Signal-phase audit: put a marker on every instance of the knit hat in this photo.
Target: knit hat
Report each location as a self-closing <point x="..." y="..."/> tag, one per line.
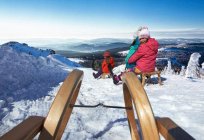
<point x="144" y="33"/>
<point x="106" y="54"/>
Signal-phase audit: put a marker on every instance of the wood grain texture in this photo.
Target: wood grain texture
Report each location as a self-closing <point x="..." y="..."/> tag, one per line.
<point x="149" y="74"/>
<point x="134" y="90"/>
<point x="171" y="131"/>
<point x="61" y="109"/>
<point x="26" y="130"/>
<point x="130" y="114"/>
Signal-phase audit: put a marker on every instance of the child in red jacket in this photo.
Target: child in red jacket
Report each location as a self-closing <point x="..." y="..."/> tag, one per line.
<point x="107" y="65"/>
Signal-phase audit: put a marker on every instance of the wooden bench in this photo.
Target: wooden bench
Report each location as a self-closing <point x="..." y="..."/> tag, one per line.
<point x="145" y="76"/>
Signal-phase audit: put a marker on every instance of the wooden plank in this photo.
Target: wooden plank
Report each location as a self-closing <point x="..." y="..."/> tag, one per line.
<point x="26" y="130"/>
<point x="130" y="114"/>
<point x="105" y="75"/>
<point x="149" y="74"/>
<point x="61" y="108"/>
<point x="171" y="131"/>
<point x="142" y="105"/>
<point x="152" y="73"/>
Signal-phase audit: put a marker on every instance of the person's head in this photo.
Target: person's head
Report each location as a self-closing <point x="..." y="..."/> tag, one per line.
<point x="106" y="54"/>
<point x="143" y="40"/>
<point x="143" y="35"/>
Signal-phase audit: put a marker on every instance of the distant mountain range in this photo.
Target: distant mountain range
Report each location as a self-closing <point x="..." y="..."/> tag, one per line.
<point x="179" y="49"/>
<point x="103" y="44"/>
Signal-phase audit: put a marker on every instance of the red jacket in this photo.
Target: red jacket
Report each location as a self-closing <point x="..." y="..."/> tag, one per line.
<point x="145" y="56"/>
<point x="105" y="64"/>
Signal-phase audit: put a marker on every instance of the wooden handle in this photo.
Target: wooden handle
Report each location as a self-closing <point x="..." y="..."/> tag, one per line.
<point x="60" y="110"/>
<point x="26" y="130"/>
<point x="171" y="131"/>
<point x="134" y="92"/>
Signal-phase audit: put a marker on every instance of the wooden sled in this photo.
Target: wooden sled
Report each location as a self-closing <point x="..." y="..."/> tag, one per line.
<point x="135" y="95"/>
<point x="105" y="75"/>
<point x="145" y="76"/>
<point x="52" y="127"/>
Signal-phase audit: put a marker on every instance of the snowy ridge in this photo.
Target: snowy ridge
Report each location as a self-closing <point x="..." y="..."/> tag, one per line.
<point x="24" y="77"/>
<point x="27" y="49"/>
<point x="46" y="54"/>
<point x="28" y="74"/>
<point x="61" y="60"/>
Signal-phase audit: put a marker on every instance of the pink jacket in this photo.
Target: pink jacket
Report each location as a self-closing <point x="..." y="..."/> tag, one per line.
<point x="145" y="56"/>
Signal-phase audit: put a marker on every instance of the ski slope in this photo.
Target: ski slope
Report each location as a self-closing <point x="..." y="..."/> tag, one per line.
<point x="35" y="82"/>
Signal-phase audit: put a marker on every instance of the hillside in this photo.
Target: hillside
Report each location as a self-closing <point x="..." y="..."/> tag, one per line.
<point x="29" y="85"/>
<point x="28" y="73"/>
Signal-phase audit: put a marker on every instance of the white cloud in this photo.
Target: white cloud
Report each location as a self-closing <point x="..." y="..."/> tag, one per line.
<point x="179" y="33"/>
<point x="15" y="29"/>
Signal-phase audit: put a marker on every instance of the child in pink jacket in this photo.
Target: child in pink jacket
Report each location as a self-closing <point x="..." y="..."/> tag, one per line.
<point x="145" y="56"/>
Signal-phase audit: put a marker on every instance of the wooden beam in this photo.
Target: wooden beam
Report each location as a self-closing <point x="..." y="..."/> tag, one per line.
<point x="61" y="108"/>
<point x="171" y="131"/>
<point x="26" y="130"/>
<point x="134" y="92"/>
<point x="130" y="114"/>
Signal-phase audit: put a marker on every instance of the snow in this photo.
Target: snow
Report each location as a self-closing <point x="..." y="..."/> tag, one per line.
<point x="29" y="84"/>
<point x="47" y="54"/>
<point x="193" y="70"/>
<point x="119" y="69"/>
<point x="77" y="60"/>
<point x="169" y="69"/>
<point x="124" y="53"/>
<point x="27" y="74"/>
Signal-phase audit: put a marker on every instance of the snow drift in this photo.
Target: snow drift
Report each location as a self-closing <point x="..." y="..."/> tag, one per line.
<point x="28" y="73"/>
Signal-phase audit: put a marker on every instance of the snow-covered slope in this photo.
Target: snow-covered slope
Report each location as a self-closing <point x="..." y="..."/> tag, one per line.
<point x="179" y="98"/>
<point x="28" y="73"/>
<point x="47" y="54"/>
<point x="184" y="106"/>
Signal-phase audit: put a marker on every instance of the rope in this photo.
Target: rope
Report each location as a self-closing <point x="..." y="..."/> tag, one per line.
<point x="102" y="105"/>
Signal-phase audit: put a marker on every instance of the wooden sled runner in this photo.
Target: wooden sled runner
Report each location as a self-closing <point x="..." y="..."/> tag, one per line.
<point x="147" y="75"/>
<point x="52" y="127"/>
<point x="150" y="126"/>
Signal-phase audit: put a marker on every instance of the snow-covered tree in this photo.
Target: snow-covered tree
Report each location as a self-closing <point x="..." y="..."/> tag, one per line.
<point x="202" y="70"/>
<point x="169" y="69"/>
<point x="183" y="70"/>
<point x="193" y="69"/>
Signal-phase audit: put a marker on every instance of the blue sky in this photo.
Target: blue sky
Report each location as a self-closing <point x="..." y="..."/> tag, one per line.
<point x="98" y="18"/>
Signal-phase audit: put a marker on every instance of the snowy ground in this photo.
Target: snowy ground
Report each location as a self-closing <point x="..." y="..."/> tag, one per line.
<point x="28" y="86"/>
<point x="77" y="60"/>
<point x="179" y="98"/>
